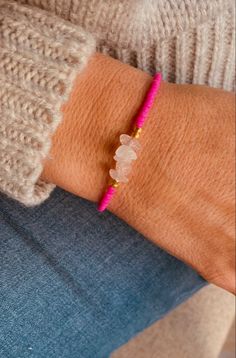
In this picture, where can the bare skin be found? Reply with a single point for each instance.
(181, 189)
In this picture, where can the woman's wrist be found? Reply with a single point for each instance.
(104, 101)
(181, 190)
(105, 98)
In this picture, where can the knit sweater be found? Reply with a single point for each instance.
(44, 44)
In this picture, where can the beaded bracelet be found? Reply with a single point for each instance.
(127, 151)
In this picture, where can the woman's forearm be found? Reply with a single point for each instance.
(181, 189)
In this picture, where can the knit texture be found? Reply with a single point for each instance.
(45, 43)
(189, 41)
(40, 55)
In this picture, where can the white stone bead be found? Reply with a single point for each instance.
(125, 139)
(124, 156)
(126, 153)
(124, 160)
(118, 176)
(130, 141)
(124, 167)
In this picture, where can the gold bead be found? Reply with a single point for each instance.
(136, 132)
(114, 183)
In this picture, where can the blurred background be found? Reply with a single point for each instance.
(202, 327)
(228, 350)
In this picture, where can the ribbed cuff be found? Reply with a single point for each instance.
(40, 56)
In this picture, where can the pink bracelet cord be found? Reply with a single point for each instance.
(148, 101)
(106, 198)
(138, 124)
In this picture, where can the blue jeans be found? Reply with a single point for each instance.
(78, 284)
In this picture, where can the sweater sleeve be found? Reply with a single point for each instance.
(40, 56)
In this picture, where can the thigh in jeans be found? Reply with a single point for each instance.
(78, 284)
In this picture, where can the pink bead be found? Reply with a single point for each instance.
(148, 101)
(106, 198)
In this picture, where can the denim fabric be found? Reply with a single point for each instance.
(78, 284)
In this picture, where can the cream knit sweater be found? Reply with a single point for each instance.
(45, 43)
